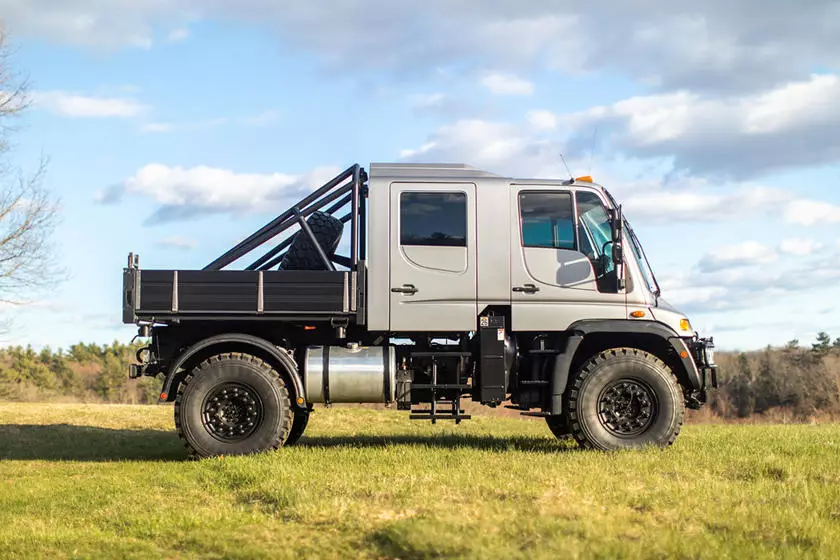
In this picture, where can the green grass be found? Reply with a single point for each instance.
(112, 481)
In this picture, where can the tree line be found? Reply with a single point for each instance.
(82, 373)
(801, 381)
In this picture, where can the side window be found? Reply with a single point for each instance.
(433, 218)
(547, 220)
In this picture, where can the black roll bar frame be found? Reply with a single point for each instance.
(348, 187)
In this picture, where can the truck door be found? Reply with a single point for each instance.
(433, 257)
(560, 259)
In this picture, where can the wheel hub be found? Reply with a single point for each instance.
(627, 407)
(231, 412)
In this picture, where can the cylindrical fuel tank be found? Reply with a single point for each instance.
(361, 374)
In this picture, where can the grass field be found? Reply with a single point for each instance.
(112, 481)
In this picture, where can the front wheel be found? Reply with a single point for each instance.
(625, 398)
(233, 404)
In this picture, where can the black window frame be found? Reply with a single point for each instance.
(424, 242)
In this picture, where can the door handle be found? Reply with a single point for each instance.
(408, 289)
(527, 288)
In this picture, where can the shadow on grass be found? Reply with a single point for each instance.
(67, 442)
(444, 441)
(59, 442)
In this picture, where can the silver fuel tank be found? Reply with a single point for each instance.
(356, 374)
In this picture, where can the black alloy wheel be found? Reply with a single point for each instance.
(627, 407)
(232, 411)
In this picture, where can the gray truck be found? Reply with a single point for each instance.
(455, 283)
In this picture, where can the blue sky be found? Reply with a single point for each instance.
(175, 128)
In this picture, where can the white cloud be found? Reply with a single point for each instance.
(800, 246)
(260, 119)
(181, 192)
(812, 212)
(178, 35)
(178, 242)
(697, 201)
(746, 253)
(424, 100)
(497, 146)
(738, 136)
(542, 120)
(77, 105)
(157, 127)
(723, 46)
(507, 84)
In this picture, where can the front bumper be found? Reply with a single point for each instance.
(703, 352)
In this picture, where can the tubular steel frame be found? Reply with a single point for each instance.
(348, 187)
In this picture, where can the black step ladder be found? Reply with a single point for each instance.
(443, 408)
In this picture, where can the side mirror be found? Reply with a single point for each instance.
(618, 246)
(617, 235)
(617, 253)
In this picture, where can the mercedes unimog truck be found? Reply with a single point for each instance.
(452, 283)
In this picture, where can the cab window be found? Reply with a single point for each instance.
(438, 219)
(547, 220)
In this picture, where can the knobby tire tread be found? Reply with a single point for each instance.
(590, 368)
(234, 356)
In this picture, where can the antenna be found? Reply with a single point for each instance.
(566, 165)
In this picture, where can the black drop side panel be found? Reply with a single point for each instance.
(237, 292)
(305, 290)
(155, 291)
(223, 291)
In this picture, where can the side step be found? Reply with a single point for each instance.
(444, 409)
(427, 415)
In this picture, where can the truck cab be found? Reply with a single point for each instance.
(459, 283)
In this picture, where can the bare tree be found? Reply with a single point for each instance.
(27, 210)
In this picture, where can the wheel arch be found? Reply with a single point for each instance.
(281, 360)
(655, 338)
(592, 336)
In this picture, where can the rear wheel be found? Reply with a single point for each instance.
(232, 404)
(625, 398)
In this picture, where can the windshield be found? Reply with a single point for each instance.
(641, 258)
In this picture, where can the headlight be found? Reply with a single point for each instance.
(685, 325)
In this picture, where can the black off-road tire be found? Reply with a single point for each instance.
(251, 379)
(559, 426)
(299, 422)
(302, 254)
(610, 373)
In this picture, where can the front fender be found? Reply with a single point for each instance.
(648, 328)
(234, 342)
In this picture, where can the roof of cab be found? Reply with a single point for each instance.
(459, 171)
(428, 170)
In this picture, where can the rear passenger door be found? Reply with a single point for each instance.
(433, 257)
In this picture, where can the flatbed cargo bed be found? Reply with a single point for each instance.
(167, 294)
